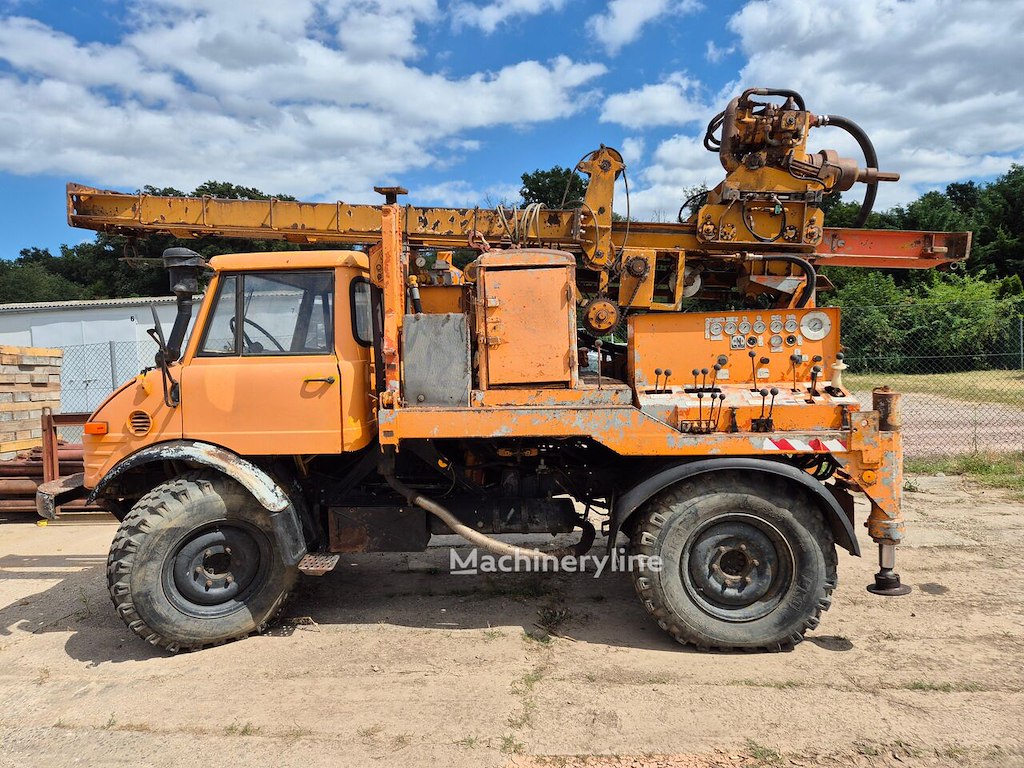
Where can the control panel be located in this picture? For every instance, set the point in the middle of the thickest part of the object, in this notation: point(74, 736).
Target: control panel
point(749, 346)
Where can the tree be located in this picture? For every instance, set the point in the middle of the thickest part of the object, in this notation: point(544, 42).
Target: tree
point(553, 186)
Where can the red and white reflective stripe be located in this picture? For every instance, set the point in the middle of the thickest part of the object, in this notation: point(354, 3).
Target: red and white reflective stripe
point(799, 446)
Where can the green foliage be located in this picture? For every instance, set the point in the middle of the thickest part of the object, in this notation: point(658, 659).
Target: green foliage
point(552, 186)
point(949, 322)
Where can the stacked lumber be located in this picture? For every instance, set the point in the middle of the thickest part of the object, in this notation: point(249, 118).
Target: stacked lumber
point(29, 382)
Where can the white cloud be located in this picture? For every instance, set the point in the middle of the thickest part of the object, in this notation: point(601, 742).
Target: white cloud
point(715, 54)
point(632, 149)
point(492, 15)
point(673, 101)
point(623, 20)
point(930, 81)
point(315, 98)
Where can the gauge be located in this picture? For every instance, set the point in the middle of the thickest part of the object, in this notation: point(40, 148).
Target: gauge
point(759, 327)
point(715, 329)
point(815, 326)
point(730, 328)
point(791, 340)
point(791, 326)
point(776, 326)
point(775, 341)
point(745, 327)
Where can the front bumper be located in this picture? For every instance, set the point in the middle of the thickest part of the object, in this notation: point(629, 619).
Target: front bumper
point(52, 494)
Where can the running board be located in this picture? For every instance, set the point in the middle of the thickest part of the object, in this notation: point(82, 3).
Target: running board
point(318, 564)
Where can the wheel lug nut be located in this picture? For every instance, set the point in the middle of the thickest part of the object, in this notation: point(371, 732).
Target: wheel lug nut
point(755, 563)
point(209, 583)
point(230, 580)
point(199, 569)
point(227, 550)
point(208, 553)
point(743, 547)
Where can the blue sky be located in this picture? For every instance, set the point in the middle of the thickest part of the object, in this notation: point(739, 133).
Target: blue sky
point(323, 99)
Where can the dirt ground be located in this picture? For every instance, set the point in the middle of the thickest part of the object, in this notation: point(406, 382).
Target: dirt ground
point(392, 661)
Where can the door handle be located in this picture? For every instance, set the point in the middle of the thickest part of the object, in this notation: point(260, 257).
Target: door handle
point(324, 379)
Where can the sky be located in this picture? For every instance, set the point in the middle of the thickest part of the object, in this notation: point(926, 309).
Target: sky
point(323, 99)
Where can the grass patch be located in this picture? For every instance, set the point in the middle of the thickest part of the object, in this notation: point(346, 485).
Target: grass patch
point(511, 746)
point(241, 729)
point(926, 685)
point(762, 755)
point(468, 742)
point(781, 685)
point(995, 470)
point(1005, 387)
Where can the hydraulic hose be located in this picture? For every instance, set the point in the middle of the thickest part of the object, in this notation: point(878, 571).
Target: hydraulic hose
point(806, 267)
point(870, 160)
point(475, 537)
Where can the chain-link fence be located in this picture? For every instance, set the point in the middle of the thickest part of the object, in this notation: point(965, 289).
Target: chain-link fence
point(960, 366)
point(90, 372)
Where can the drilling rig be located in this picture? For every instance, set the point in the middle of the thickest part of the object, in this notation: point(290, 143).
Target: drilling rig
point(675, 381)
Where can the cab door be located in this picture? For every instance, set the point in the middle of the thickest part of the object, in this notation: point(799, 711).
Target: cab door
point(264, 378)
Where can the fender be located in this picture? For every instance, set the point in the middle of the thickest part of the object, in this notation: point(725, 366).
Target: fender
point(630, 501)
point(263, 487)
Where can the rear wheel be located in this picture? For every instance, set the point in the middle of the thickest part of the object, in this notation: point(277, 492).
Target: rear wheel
point(746, 562)
point(195, 563)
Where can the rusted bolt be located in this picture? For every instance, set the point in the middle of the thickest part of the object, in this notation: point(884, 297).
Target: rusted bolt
point(868, 477)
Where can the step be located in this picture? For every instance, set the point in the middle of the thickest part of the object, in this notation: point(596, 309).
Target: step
point(318, 563)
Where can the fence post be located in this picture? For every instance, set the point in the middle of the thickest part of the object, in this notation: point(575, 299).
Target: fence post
point(113, 367)
point(1020, 339)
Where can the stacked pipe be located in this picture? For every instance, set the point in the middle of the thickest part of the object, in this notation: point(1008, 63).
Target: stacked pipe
point(19, 478)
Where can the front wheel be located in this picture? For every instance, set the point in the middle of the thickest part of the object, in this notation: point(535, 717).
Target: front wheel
point(746, 562)
point(195, 563)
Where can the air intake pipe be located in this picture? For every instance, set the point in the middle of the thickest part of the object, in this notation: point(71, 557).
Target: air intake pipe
point(183, 266)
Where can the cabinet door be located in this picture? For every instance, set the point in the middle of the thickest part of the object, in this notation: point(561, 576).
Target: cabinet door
point(529, 324)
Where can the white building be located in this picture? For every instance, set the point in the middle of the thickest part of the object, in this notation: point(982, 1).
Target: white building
point(104, 341)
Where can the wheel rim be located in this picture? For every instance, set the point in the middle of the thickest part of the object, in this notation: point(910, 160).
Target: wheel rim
point(215, 568)
point(737, 567)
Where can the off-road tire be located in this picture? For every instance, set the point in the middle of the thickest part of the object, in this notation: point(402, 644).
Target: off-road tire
point(182, 521)
point(691, 524)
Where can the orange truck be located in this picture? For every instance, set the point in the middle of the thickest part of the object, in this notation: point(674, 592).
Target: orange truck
point(675, 381)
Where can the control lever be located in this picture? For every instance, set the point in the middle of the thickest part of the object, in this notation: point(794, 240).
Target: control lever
point(815, 372)
point(714, 378)
point(796, 359)
point(657, 378)
point(753, 369)
point(695, 373)
point(764, 423)
point(668, 372)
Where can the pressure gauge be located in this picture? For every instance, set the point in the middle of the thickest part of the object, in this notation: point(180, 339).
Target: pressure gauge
point(715, 329)
point(745, 327)
point(759, 327)
point(815, 326)
point(775, 341)
point(730, 328)
point(776, 326)
point(791, 326)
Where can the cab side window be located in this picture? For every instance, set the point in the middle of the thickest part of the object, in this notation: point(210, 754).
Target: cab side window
point(282, 313)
